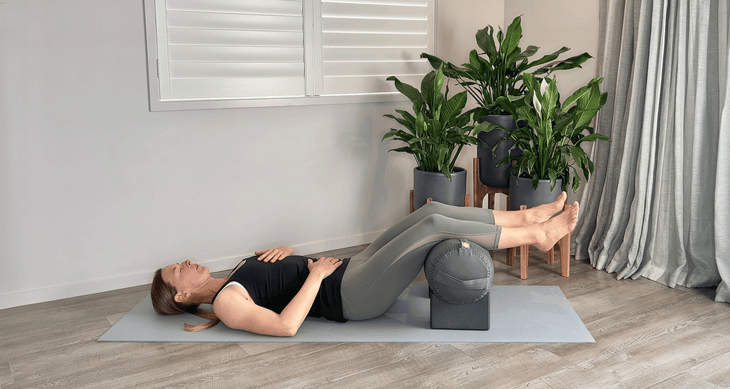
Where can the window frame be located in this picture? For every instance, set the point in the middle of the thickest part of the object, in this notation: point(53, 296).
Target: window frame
point(154, 91)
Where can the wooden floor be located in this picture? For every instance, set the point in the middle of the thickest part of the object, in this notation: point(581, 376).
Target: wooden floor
point(647, 336)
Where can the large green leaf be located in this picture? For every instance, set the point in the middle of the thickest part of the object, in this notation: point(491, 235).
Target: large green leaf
point(529, 52)
point(507, 105)
point(435, 62)
point(575, 97)
point(531, 82)
point(512, 57)
point(438, 85)
point(427, 88)
point(453, 106)
point(407, 90)
point(403, 122)
point(572, 62)
point(550, 99)
point(553, 176)
point(547, 58)
point(593, 137)
point(485, 40)
point(406, 115)
point(420, 124)
point(476, 64)
point(576, 181)
point(399, 135)
point(404, 149)
point(512, 37)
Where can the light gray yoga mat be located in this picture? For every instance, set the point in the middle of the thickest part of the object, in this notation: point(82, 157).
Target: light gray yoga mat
point(529, 314)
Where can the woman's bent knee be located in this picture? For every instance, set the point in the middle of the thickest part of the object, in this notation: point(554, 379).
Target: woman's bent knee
point(434, 207)
point(433, 221)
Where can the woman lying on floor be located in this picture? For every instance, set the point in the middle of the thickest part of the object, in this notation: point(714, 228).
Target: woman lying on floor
point(273, 292)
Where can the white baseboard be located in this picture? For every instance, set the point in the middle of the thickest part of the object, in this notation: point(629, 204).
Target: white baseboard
point(104, 284)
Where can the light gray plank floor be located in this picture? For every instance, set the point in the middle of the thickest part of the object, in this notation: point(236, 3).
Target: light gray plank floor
point(647, 336)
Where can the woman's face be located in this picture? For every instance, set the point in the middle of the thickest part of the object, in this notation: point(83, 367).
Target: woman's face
point(186, 276)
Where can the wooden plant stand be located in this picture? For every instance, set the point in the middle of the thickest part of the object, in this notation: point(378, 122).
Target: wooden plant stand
point(481, 190)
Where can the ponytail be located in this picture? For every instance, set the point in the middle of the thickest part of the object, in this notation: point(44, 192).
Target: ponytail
point(163, 300)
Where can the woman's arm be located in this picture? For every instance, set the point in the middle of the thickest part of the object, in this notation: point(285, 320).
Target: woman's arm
point(273, 255)
point(236, 309)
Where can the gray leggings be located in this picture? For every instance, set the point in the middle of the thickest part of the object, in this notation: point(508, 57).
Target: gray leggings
point(376, 277)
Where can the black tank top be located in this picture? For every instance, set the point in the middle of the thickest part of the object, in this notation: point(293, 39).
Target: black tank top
point(274, 285)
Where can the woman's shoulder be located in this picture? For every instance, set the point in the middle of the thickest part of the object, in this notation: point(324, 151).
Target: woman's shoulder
point(230, 292)
point(230, 285)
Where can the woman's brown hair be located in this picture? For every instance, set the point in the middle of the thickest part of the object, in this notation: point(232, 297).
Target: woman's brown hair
point(163, 300)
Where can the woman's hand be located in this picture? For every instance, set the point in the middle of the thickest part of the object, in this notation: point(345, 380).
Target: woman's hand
point(323, 266)
point(273, 255)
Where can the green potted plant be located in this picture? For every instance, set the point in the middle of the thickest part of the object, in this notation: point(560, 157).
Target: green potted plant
point(497, 71)
point(551, 139)
point(434, 134)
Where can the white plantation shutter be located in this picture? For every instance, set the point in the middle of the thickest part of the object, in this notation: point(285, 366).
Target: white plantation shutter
point(229, 53)
point(218, 49)
point(365, 41)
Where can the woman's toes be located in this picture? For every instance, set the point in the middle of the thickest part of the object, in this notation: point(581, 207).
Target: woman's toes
point(562, 197)
point(545, 212)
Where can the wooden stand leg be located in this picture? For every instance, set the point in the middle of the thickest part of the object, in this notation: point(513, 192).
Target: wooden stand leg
point(564, 244)
point(478, 186)
point(524, 255)
point(511, 253)
point(411, 209)
point(550, 256)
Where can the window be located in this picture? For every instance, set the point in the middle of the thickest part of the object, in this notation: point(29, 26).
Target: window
point(236, 53)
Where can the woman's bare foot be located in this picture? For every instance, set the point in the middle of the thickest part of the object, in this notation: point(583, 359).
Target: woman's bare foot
point(559, 226)
point(544, 212)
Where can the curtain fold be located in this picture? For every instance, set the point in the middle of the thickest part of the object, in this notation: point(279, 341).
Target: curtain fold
point(722, 186)
point(659, 202)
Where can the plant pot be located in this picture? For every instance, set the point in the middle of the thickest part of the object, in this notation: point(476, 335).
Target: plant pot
point(521, 192)
point(489, 173)
point(438, 187)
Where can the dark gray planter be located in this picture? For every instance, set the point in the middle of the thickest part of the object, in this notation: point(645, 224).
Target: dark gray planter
point(489, 173)
point(437, 186)
point(521, 192)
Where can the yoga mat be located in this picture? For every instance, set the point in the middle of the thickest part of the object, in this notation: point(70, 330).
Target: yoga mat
point(528, 314)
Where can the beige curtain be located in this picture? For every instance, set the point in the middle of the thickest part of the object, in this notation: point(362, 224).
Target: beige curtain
point(658, 205)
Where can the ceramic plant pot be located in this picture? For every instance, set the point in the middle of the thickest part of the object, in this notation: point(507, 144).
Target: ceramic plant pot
point(522, 193)
point(438, 187)
point(489, 173)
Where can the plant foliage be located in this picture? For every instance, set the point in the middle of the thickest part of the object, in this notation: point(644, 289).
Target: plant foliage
point(437, 130)
point(498, 70)
point(551, 140)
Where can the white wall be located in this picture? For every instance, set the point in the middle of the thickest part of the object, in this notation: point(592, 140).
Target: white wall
point(96, 191)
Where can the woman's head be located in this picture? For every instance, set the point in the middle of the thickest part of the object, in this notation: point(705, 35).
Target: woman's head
point(187, 279)
point(167, 299)
point(163, 296)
